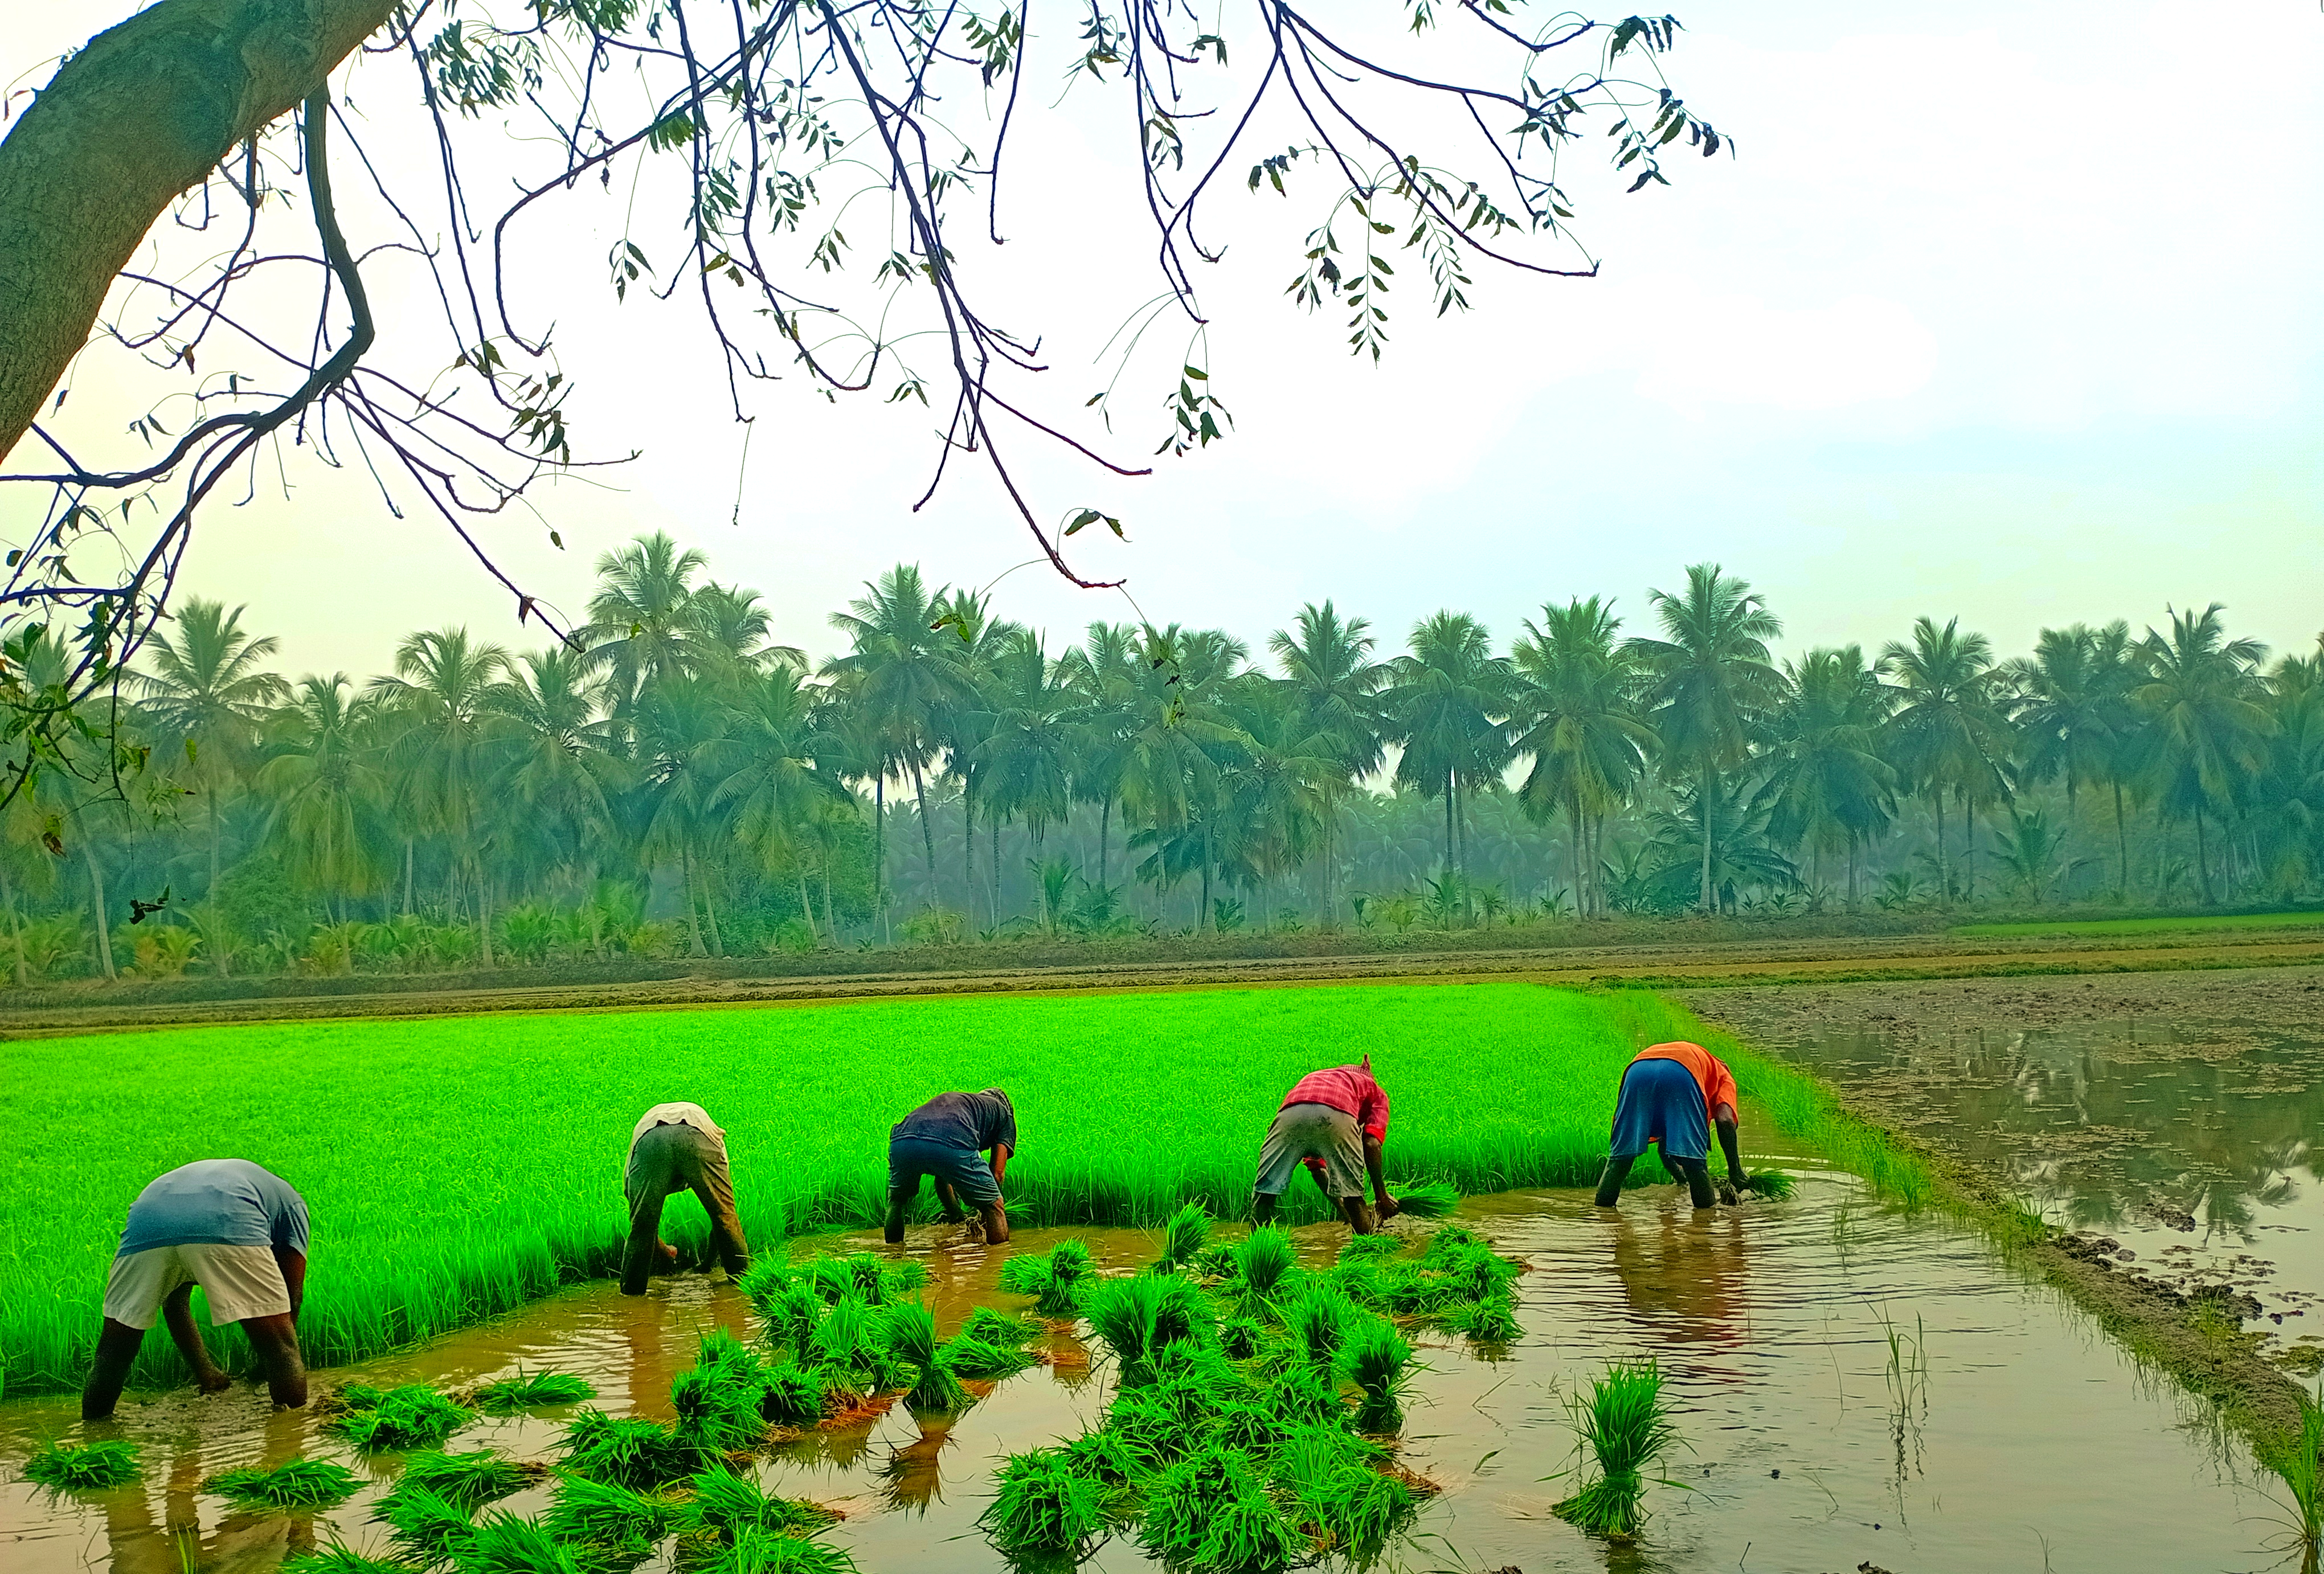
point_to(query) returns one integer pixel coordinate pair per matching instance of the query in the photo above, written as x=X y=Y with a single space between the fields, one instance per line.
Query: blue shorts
x=963 y=1168
x=1661 y=1099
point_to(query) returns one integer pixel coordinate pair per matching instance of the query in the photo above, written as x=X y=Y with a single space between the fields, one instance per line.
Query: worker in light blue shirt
x=240 y=1233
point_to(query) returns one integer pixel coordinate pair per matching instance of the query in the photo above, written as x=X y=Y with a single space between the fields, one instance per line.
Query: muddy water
x=1995 y=1432
x=2177 y=1114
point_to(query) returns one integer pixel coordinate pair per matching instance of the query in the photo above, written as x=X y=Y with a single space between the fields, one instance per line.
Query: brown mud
x=2159 y=1125
x=1684 y=959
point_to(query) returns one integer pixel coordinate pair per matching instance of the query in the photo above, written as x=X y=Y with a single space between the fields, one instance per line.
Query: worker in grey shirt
x=946 y=1138
x=677 y=1148
x=239 y=1232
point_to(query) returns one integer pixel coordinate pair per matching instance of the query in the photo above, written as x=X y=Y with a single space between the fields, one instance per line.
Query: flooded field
x=2176 y=1113
x=1854 y=1386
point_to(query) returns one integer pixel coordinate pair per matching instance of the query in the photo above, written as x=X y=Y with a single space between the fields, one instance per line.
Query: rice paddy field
x=458 y=1168
x=2191 y=923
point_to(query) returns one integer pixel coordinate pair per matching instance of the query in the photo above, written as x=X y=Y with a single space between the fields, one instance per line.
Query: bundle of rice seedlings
x=1240 y=1337
x=718 y=1412
x=871 y=1278
x=1318 y=1316
x=901 y=1278
x=629 y=1450
x=471 y=1480
x=606 y=1514
x=1042 y=1505
x=1626 y=1428
x=998 y=1328
x=1139 y=1317
x=1775 y=1185
x=1303 y=1396
x=301 y=1484
x=1379 y=1362
x=425 y=1526
x=1055 y=1281
x=1183 y=1236
x=1426 y=1199
x=339 y=1559
x=1214 y=1262
x=1473 y=1268
x=1247 y=1427
x=1411 y=1290
x=1148 y=1427
x=845 y=1333
x=970 y=1357
x=1191 y=1384
x=795 y=1316
x=1263 y=1263
x=1112 y=1459
x=722 y=1351
x=1372 y=1248
x=912 y=1335
x=793 y=1396
x=1489 y=1320
x=832 y=1278
x=758 y=1552
x=522 y=1392
x=726 y=1505
x=414 y=1416
x=502 y=1543
x=1211 y=1511
x=83 y=1467
x=766 y=1281
x=1345 y=1504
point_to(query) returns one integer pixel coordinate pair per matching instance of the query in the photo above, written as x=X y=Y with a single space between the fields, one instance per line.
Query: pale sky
x=2006 y=312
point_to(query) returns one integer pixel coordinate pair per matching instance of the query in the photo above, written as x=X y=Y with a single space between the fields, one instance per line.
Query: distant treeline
x=680 y=783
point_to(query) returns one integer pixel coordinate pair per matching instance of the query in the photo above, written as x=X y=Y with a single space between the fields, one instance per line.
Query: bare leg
x=1696 y=1176
x=276 y=1341
x=116 y=1350
x=1262 y=1208
x=996 y=1222
x=948 y=1200
x=1358 y=1213
x=644 y=1244
x=897 y=1203
x=1609 y=1184
x=178 y=1311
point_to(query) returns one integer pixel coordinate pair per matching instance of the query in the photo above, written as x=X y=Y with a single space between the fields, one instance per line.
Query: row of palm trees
x=677 y=780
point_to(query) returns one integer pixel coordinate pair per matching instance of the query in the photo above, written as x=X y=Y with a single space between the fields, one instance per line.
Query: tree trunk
x=1705 y=808
x=145 y=112
x=1851 y=871
x=16 y=925
x=878 y=853
x=967 y=854
x=2202 y=861
x=1448 y=821
x=710 y=916
x=217 y=837
x=927 y=829
x=1104 y=836
x=407 y=876
x=693 y=922
x=992 y=828
x=103 y=929
x=485 y=916
x=1573 y=833
x=830 y=923
x=1944 y=877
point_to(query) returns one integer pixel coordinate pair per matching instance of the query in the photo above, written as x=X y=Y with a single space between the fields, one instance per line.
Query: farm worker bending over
x=240 y=1234
x=677 y=1148
x=1334 y=1122
x=1671 y=1094
x=946 y=1137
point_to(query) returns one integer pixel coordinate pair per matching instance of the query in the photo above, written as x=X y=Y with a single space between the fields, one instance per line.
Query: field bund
x=458 y=1167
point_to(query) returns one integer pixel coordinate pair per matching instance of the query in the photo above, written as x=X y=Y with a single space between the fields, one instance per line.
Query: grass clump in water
x=629 y=1451
x=1139 y=1318
x=912 y=1335
x=83 y=1467
x=414 y=1416
x=758 y=1552
x=1319 y=1316
x=1264 y=1262
x=2300 y=1465
x=1379 y=1362
x=1775 y=1185
x=1624 y=1425
x=1045 y=1505
x=1183 y=1236
x=423 y=1525
x=1343 y=1505
x=1055 y=1281
x=1211 y=1511
x=524 y=1392
x=469 y=1481
x=612 y=1526
x=301 y=1484
x=338 y=1559
x=1427 y=1199
x=504 y=1543
x=725 y=1506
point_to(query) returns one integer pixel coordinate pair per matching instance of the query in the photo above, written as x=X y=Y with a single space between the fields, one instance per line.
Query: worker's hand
x=213 y=1381
x=1389 y=1207
x=668 y=1252
x=1729 y=1194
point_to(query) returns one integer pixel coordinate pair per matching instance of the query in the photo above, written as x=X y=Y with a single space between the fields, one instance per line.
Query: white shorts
x=240 y=1281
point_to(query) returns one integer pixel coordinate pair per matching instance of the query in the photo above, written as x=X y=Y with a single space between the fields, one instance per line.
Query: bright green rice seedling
x=338 y=1559
x=469 y=1481
x=970 y=1356
x=845 y=1334
x=83 y=1467
x=301 y=1484
x=419 y=1250
x=607 y=1515
x=1263 y=1265
x=629 y=1451
x=425 y=1527
x=1427 y=1199
x=757 y=1551
x=1625 y=1426
x=1775 y=1185
x=998 y=1328
x=1302 y=1395
x=1345 y=1505
x=1492 y=1321
x=1318 y=1316
x=502 y=1543
x=1110 y=1459
x=1184 y=1235
x=1055 y=1281
x=525 y=1390
x=1240 y=1337
x=1043 y=1505
x=726 y=1505
x=414 y=1416
x=1137 y=1318
x=1212 y=1512
x=912 y=1335
x=1379 y=1362
x=718 y=1410
x=1372 y=1248
x=1249 y=1428
x=1215 y=1261
x=794 y=1396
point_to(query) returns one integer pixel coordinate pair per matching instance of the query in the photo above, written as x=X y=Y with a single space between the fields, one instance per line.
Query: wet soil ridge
x=1705 y=955
x=2132 y=1111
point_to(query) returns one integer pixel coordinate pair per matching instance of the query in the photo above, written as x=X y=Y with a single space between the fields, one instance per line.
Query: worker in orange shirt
x=1673 y=1094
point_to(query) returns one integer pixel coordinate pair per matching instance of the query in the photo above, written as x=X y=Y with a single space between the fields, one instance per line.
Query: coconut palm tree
x=2208 y=741
x=680 y=725
x=642 y=622
x=770 y=779
x=2074 y=717
x=208 y=686
x=897 y=678
x=1172 y=750
x=1335 y=695
x=971 y=642
x=724 y=626
x=1825 y=780
x=562 y=759
x=1024 y=753
x=1711 y=683
x=1576 y=706
x=443 y=750
x=1449 y=699
x=1281 y=785
x=1947 y=731
x=1101 y=675
x=326 y=791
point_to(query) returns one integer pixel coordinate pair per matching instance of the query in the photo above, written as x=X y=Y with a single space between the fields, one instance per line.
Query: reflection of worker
x=240 y=1234
x=947 y=1137
x=1334 y=1122
x=677 y=1148
x=1672 y=1093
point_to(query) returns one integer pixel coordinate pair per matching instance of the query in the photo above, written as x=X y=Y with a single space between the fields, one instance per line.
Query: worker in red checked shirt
x=1333 y=1123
